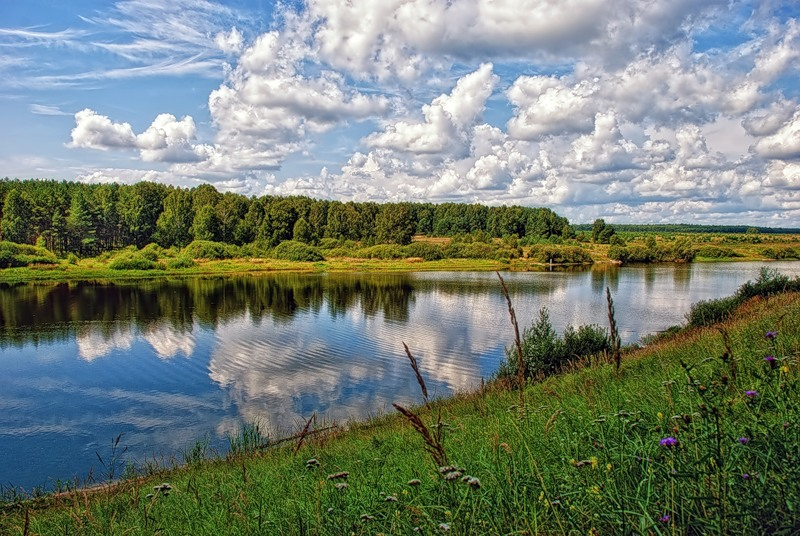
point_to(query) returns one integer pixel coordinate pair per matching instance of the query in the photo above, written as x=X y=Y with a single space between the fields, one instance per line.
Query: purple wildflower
x=751 y=394
x=664 y=518
x=771 y=361
x=746 y=476
x=771 y=335
x=668 y=442
x=744 y=440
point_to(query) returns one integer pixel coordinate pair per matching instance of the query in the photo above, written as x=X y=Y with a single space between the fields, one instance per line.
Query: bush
x=206 y=249
x=560 y=254
x=329 y=243
x=292 y=250
x=382 y=251
x=425 y=250
x=134 y=261
x=15 y=255
x=708 y=312
x=181 y=262
x=780 y=253
x=544 y=353
x=714 y=252
x=152 y=251
x=769 y=282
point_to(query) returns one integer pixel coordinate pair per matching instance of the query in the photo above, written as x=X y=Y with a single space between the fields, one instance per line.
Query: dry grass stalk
x=433 y=442
x=518 y=344
x=551 y=421
x=614 y=332
x=304 y=432
x=420 y=381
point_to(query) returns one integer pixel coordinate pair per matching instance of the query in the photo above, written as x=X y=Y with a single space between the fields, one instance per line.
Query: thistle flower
x=744 y=440
x=771 y=361
x=751 y=394
x=746 y=476
x=664 y=519
x=668 y=442
x=771 y=335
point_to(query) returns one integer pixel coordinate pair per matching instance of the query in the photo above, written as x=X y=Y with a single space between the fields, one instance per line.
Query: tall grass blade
x=518 y=344
x=614 y=332
x=420 y=381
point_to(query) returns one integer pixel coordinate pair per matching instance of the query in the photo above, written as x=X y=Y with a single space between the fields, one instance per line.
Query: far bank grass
x=710 y=248
x=698 y=433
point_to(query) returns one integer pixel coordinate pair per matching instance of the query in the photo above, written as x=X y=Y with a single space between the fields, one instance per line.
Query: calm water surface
x=168 y=362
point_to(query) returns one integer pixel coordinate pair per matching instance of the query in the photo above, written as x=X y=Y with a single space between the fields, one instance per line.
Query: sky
x=635 y=111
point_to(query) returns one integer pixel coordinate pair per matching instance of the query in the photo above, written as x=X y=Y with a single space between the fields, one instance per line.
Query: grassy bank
x=29 y=263
x=698 y=433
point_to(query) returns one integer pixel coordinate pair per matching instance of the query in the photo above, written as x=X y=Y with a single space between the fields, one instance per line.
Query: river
x=161 y=364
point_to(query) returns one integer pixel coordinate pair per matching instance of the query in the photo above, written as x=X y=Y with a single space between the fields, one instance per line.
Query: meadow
x=695 y=432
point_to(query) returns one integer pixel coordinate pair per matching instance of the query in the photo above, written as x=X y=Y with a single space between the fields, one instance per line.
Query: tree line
x=88 y=219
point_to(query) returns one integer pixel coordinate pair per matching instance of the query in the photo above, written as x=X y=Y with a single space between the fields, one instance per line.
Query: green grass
x=587 y=454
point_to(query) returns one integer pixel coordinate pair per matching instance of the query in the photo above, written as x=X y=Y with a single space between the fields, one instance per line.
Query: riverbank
x=97 y=269
x=695 y=433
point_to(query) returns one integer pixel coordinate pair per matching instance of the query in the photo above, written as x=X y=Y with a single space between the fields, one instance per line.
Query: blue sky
x=634 y=110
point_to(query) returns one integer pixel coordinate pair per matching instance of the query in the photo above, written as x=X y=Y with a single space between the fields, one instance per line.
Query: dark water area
x=168 y=362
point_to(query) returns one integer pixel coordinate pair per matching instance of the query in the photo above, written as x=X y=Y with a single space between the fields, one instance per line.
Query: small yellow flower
x=785 y=369
x=593 y=459
x=608 y=467
x=448 y=513
x=660 y=416
x=405 y=492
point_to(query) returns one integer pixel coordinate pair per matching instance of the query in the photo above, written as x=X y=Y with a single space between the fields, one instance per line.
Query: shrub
x=15 y=255
x=780 y=253
x=206 y=249
x=715 y=252
x=769 y=282
x=181 y=262
x=292 y=250
x=382 y=251
x=544 y=353
x=152 y=252
x=329 y=243
x=134 y=261
x=708 y=312
x=424 y=250
x=340 y=252
x=560 y=254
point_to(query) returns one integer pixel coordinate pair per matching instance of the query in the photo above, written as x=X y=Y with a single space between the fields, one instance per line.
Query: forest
x=89 y=219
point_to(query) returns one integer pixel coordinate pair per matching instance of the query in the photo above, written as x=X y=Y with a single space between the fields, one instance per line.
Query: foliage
x=206 y=249
x=545 y=354
x=16 y=255
x=181 y=261
x=780 y=253
x=602 y=233
x=382 y=251
x=560 y=254
x=769 y=282
x=138 y=260
x=715 y=252
x=425 y=250
x=680 y=250
x=291 y=250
